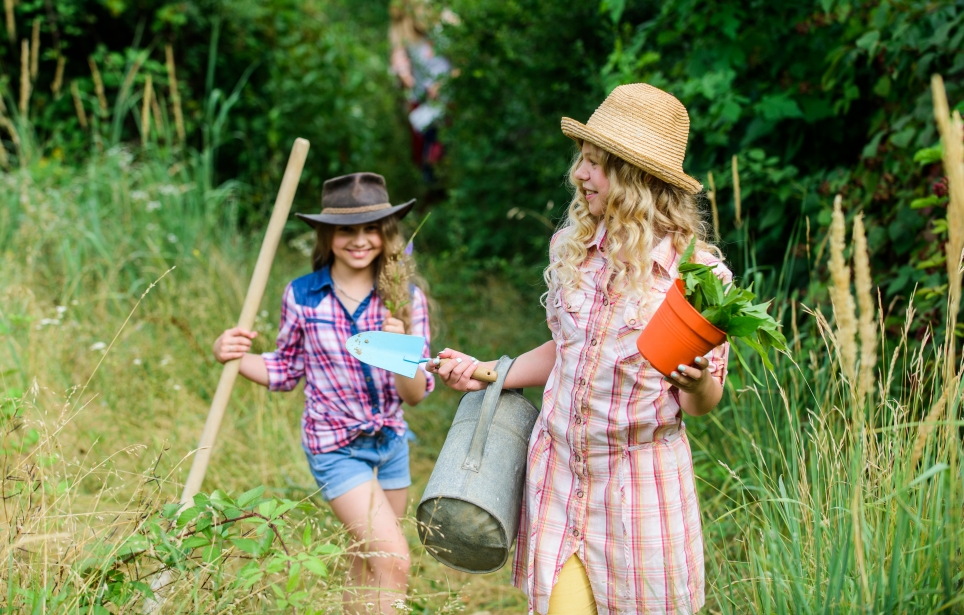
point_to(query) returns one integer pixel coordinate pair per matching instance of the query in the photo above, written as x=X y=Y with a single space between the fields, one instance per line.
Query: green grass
x=810 y=504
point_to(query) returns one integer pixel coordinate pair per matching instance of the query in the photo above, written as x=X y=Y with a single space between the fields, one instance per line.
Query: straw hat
x=355 y=199
x=644 y=126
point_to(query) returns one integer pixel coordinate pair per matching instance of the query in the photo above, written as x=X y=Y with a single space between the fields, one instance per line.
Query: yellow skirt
x=572 y=594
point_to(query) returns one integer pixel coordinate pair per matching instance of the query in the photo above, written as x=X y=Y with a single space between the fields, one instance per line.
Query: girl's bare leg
x=379 y=573
x=398 y=498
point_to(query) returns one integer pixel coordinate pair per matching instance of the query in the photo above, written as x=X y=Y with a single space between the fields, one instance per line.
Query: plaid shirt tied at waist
x=343 y=396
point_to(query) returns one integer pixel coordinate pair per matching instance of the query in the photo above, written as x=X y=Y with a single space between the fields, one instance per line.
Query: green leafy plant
x=239 y=545
x=731 y=308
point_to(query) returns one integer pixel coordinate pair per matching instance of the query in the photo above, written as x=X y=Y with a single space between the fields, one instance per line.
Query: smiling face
x=592 y=179
x=357 y=246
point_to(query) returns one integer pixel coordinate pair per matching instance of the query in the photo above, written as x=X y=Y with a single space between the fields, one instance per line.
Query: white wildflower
x=165 y=360
x=139 y=195
x=168 y=190
x=61 y=309
x=152 y=206
x=177 y=387
x=151 y=226
x=98 y=346
x=172 y=237
x=75 y=302
x=137 y=361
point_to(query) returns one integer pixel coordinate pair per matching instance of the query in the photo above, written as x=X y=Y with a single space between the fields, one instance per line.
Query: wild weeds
x=91 y=471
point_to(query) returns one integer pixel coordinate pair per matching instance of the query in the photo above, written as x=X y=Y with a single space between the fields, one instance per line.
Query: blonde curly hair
x=641 y=209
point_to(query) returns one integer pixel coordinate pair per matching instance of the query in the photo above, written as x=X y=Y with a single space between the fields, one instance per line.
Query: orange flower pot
x=677 y=333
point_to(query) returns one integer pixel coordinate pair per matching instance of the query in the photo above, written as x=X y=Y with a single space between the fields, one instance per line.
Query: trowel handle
x=482 y=374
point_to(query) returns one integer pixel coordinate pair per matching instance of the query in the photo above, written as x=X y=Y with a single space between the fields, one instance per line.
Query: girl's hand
x=457 y=373
x=393 y=325
x=233 y=344
x=692 y=379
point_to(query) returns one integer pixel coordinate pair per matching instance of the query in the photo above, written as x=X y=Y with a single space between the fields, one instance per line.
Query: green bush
x=812 y=98
x=253 y=76
x=524 y=64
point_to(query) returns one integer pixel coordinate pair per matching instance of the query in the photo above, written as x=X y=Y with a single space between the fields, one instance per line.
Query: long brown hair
x=392 y=255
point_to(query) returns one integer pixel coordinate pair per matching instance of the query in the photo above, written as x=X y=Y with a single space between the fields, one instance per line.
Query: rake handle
x=481 y=374
x=259 y=280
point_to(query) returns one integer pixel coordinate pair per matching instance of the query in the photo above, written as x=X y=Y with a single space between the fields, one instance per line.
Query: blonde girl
x=353 y=429
x=610 y=519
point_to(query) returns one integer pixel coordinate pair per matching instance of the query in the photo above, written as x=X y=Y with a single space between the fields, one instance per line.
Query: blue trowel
x=399 y=354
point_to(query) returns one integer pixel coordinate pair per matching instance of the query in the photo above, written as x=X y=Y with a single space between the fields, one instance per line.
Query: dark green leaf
x=741 y=326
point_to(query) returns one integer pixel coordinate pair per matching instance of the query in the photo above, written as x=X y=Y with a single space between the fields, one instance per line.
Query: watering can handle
x=490 y=402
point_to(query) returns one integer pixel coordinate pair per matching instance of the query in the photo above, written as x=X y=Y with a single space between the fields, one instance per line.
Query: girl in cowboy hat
x=353 y=430
x=610 y=520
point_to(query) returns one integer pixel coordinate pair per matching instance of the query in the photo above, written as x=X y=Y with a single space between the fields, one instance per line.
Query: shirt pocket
x=323 y=337
x=569 y=305
x=627 y=353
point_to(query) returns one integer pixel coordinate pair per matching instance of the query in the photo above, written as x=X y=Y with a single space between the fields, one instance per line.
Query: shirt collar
x=665 y=255
x=599 y=239
x=322 y=279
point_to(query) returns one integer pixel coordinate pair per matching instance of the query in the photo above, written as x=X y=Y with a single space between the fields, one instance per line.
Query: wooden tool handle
x=481 y=374
x=259 y=279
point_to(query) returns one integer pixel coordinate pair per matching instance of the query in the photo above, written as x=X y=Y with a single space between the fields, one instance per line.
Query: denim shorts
x=339 y=471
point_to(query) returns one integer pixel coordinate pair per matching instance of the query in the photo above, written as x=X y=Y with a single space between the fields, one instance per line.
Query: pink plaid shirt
x=610 y=474
x=343 y=396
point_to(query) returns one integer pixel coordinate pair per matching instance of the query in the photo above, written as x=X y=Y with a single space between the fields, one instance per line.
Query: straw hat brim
x=314 y=220
x=577 y=130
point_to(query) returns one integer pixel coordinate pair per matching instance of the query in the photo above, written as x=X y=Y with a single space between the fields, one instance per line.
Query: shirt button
x=577 y=457
x=368 y=378
x=578 y=420
x=582 y=381
x=605 y=301
x=575 y=533
x=580 y=493
x=568 y=306
x=632 y=321
x=593 y=342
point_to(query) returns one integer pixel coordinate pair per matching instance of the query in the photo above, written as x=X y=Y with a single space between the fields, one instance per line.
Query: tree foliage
x=253 y=76
x=812 y=98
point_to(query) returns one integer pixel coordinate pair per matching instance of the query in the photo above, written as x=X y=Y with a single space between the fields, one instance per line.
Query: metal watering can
x=469 y=513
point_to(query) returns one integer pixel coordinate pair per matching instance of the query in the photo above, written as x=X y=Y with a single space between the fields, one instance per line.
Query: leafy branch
x=203 y=539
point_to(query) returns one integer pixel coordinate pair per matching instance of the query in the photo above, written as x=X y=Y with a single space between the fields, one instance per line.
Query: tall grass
x=100 y=417
x=817 y=496
x=818 y=499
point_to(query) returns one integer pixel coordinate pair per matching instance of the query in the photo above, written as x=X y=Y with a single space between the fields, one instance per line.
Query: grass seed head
x=865 y=299
x=843 y=302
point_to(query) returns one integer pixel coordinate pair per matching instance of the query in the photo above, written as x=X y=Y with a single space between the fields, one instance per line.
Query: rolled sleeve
x=420 y=326
x=717 y=360
x=286 y=365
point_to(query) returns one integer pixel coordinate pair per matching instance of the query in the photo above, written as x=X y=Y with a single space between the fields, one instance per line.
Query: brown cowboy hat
x=356 y=198
x=644 y=126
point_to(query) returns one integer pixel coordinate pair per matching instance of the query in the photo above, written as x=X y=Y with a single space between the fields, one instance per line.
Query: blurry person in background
x=420 y=71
